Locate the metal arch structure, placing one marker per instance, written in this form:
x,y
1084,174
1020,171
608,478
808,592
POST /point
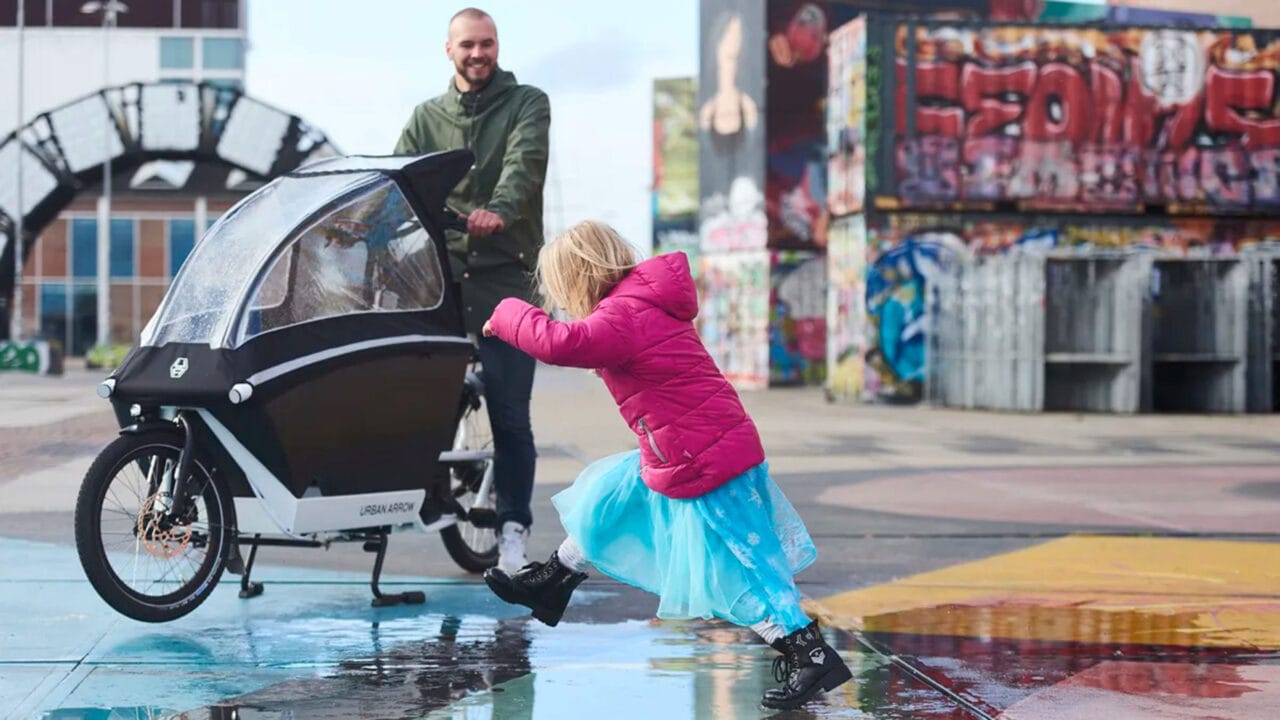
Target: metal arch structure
x,y
64,149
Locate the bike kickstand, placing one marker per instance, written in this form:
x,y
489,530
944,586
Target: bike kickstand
x,y
250,589
380,599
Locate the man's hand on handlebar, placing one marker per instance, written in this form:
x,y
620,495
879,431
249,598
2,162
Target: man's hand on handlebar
x,y
482,223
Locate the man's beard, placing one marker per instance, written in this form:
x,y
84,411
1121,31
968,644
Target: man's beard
x,y
472,73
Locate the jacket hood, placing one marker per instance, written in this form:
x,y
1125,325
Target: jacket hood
x,y
471,103
665,282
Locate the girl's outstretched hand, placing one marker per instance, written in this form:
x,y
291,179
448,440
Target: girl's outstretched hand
x,y
487,330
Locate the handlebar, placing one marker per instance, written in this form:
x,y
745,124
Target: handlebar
x,y
453,220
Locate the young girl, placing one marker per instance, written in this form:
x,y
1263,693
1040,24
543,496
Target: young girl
x,y
692,515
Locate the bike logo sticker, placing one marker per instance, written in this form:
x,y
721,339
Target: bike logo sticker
x,y
178,368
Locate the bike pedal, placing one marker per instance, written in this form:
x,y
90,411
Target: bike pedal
x,y
483,518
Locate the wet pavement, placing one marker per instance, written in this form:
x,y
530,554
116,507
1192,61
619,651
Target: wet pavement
x,y
971,566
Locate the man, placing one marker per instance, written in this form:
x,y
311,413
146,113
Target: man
x,y
506,125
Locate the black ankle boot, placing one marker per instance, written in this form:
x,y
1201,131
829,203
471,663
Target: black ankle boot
x,y
808,666
544,588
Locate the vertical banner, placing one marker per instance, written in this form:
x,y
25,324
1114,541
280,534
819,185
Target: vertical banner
x,y
796,176
846,118
675,167
846,307
731,126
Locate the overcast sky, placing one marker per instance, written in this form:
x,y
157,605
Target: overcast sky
x,y
356,70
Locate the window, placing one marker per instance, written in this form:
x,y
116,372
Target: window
x,y
222,54
371,255
211,13
182,237
177,53
225,83
84,248
122,244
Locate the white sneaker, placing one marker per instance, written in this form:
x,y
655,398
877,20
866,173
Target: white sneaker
x,y
511,547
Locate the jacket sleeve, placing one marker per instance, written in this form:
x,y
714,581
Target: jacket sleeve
x,y
603,339
524,166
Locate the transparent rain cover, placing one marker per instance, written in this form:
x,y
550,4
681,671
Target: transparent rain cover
x,y
370,255
215,277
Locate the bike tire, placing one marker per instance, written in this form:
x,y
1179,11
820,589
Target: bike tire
x,y
131,450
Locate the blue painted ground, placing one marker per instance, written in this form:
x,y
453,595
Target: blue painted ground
x,y
313,647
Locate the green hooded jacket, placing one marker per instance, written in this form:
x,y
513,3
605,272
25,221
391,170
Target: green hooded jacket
x,y
506,125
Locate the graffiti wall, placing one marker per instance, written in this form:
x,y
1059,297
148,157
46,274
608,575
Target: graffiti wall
x,y
846,113
730,116
797,318
905,248
846,306
1081,119
734,318
796,180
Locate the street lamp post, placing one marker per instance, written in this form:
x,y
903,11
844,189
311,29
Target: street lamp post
x,y
15,317
110,9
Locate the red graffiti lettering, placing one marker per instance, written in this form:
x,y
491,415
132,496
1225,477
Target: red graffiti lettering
x,y
1234,98
982,90
1060,108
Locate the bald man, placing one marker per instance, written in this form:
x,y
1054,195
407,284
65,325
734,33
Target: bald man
x,y
506,125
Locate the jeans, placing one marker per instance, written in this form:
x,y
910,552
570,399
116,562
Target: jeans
x,y
508,382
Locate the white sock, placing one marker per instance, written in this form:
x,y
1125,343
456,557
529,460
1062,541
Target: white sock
x,y
571,555
768,630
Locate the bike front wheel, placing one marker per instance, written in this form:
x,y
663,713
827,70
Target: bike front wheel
x,y
145,561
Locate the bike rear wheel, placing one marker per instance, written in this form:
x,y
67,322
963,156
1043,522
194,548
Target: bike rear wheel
x,y
144,561
474,549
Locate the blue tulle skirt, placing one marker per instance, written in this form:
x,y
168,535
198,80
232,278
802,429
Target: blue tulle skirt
x,y
731,553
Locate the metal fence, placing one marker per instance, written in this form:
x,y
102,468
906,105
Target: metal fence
x,y
1104,331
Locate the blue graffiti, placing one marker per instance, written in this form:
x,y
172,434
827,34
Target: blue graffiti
x,y
896,305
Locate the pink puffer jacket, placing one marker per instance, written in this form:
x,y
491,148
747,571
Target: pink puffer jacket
x,y
693,432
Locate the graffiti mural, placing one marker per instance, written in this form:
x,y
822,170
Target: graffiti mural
x,y
896,322
796,180
797,318
730,126
906,247
734,317
1086,118
846,306
846,115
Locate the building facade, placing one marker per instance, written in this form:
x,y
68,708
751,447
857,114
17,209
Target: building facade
x,y
157,211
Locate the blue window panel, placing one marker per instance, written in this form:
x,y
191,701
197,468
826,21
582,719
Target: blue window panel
x,y
177,53
84,248
53,312
53,300
122,245
84,318
223,54
182,237
226,83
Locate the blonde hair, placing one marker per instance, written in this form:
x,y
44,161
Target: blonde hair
x,y
581,266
